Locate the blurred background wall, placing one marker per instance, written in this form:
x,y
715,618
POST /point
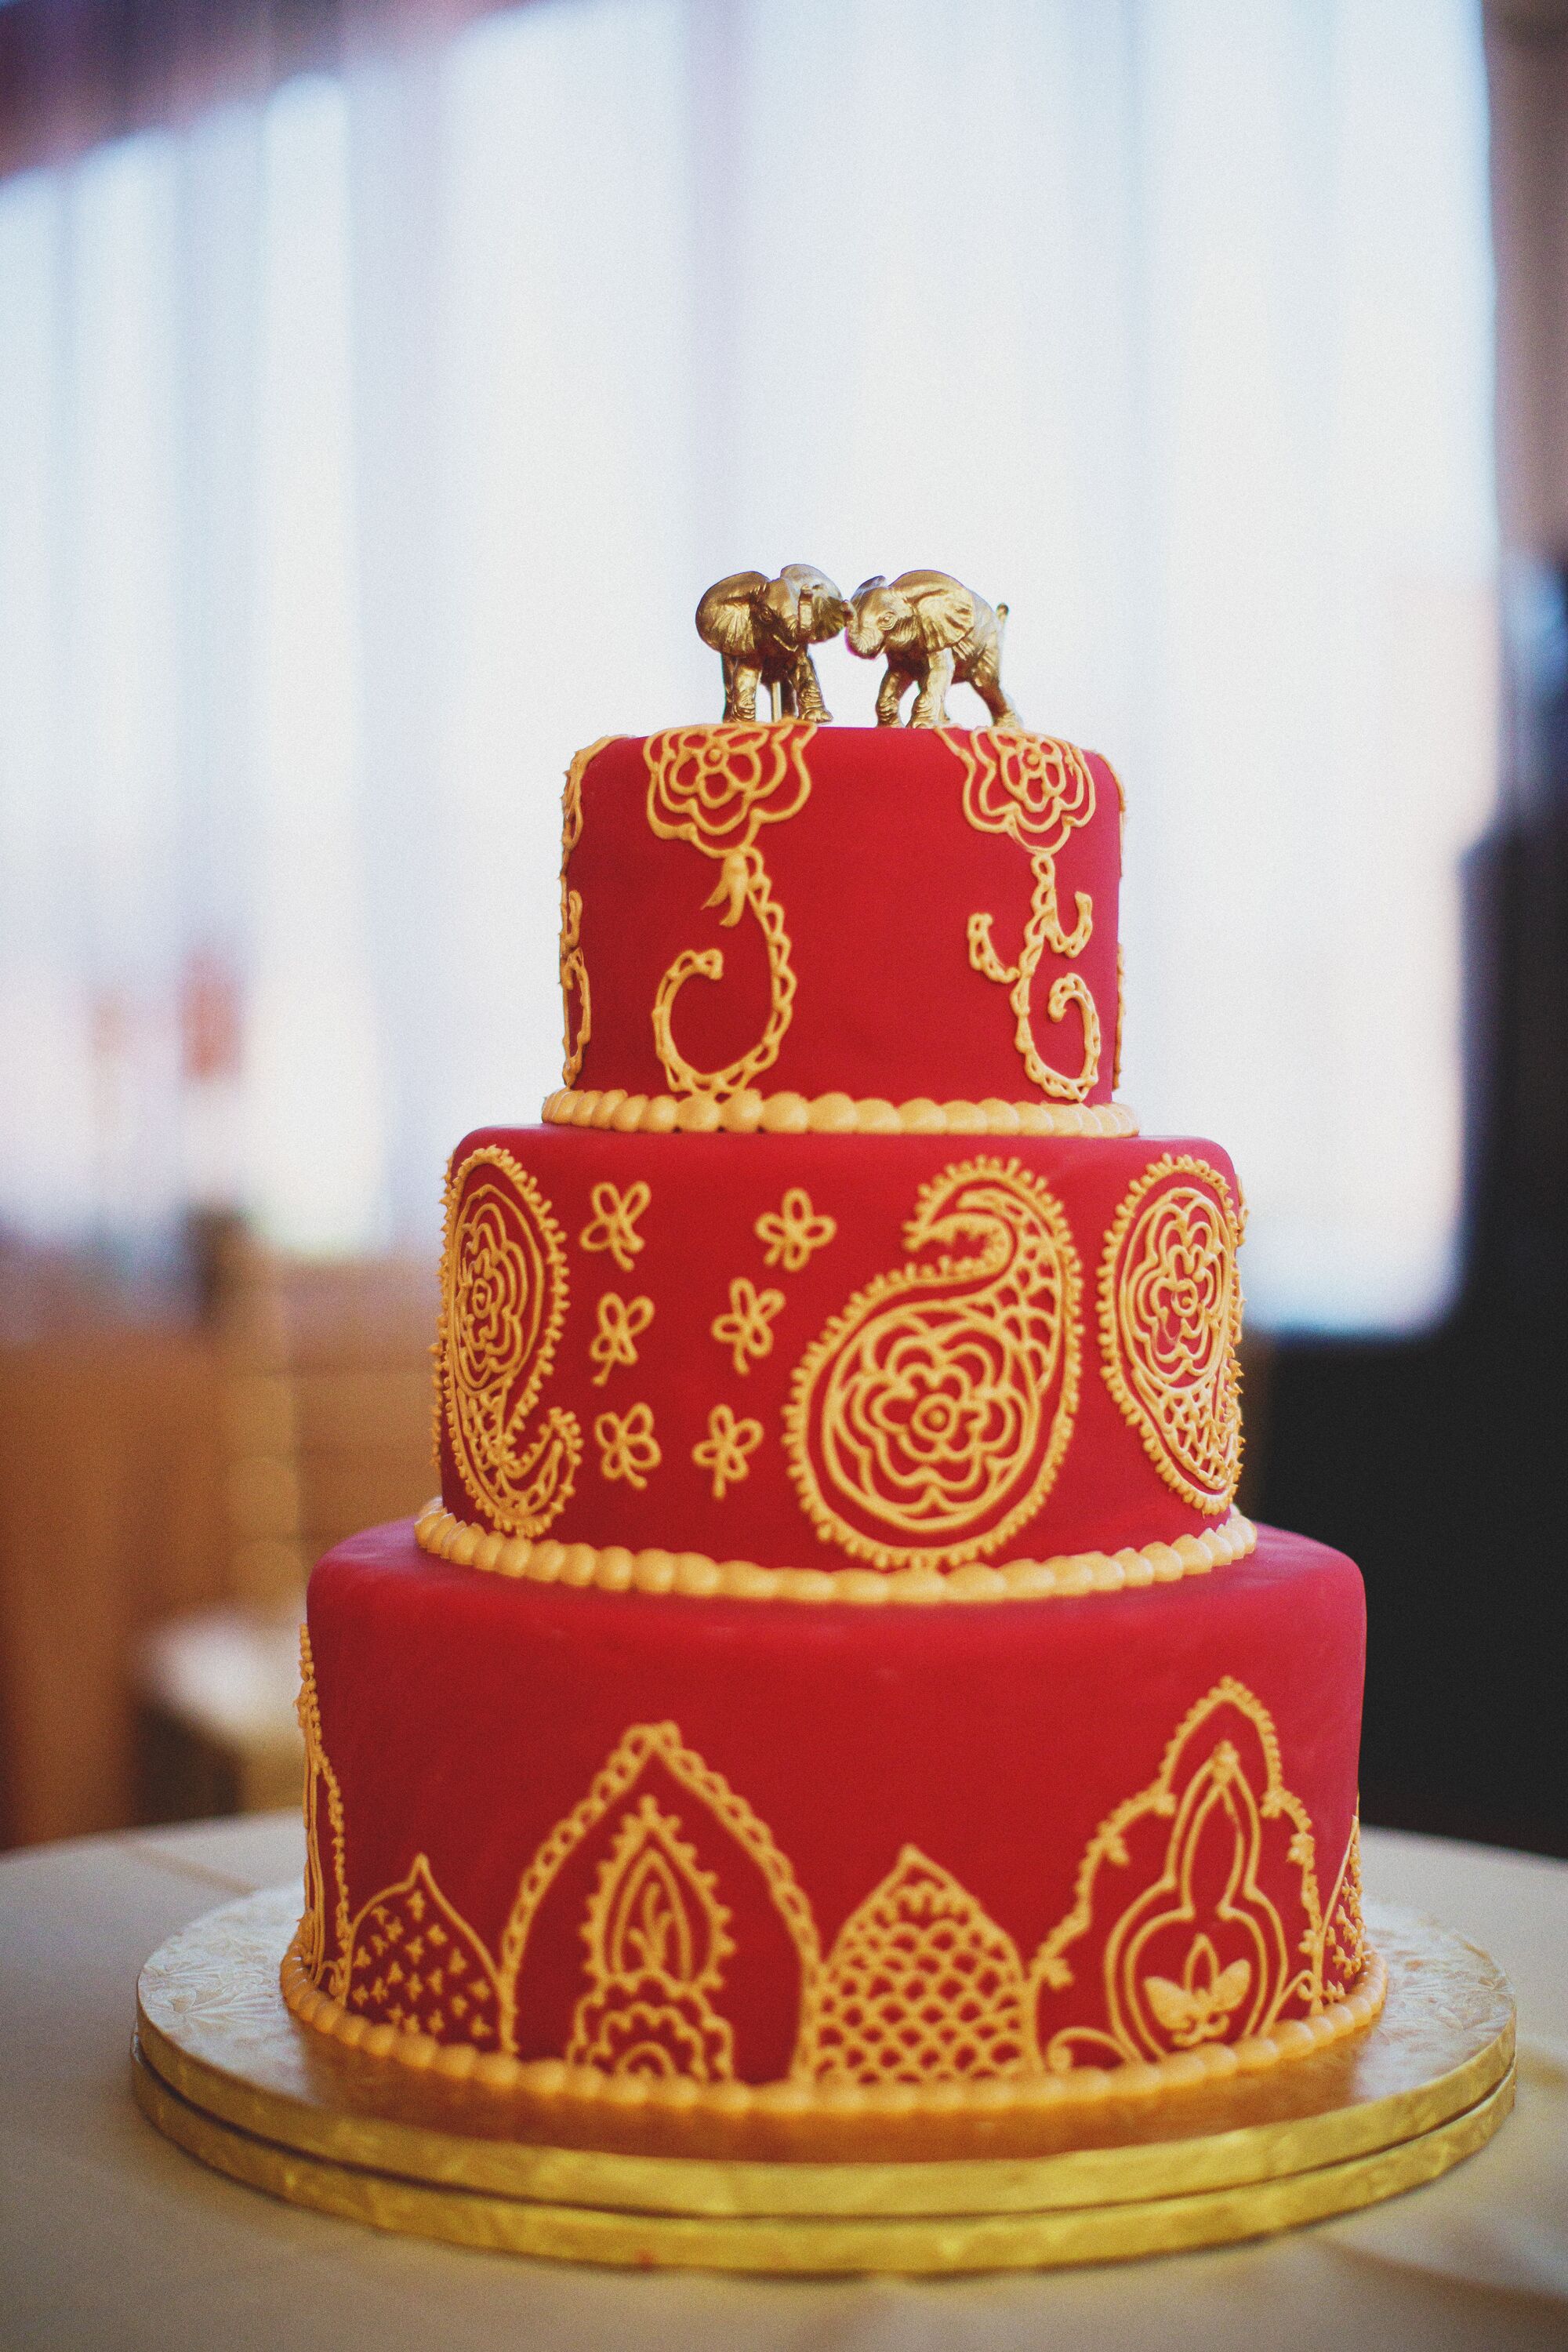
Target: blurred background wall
x,y
379,386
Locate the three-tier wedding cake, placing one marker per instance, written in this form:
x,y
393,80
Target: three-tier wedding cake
x,y
834,1688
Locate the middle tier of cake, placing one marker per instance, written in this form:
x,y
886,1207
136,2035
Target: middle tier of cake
x,y
845,1366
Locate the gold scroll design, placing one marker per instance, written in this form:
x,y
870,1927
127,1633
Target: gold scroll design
x,y
414,1962
927,1423
716,787
573,969
322,1797
504,1301
1200,1952
652,1883
922,1986
1038,792
1170,1326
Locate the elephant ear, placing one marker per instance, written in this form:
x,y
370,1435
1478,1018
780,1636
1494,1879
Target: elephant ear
x,y
724,618
944,612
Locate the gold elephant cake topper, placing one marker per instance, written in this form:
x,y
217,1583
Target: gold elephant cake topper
x,y
931,630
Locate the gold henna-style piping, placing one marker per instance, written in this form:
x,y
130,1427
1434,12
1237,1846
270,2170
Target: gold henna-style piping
x,y
724,1451
573,970
920,1984
1170,1326
715,787
409,1946
658,1938
1145,2010
628,1446
642,1744
747,1330
503,1299
622,1322
926,1425
694,1575
613,1223
1038,792
320,1776
749,1112
792,1234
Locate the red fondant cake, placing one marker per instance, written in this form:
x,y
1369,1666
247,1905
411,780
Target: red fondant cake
x,y
834,1691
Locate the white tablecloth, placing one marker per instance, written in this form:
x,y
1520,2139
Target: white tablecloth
x,y
109,2236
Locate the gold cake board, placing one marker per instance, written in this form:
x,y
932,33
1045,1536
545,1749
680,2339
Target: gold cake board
x,y
223,2070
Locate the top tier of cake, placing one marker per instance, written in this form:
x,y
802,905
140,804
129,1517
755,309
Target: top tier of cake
x,y
788,925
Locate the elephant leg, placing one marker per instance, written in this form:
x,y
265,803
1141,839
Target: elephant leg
x,y
808,699
782,684
895,686
742,680
987,683
930,703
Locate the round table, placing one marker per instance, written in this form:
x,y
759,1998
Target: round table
x,y
110,2237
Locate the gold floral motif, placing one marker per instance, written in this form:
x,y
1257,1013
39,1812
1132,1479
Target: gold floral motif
x,y
747,1330
1038,792
573,970
321,1789
1170,1326
628,1446
922,1985
414,1962
657,1939
927,1423
715,787
723,1452
613,1223
1200,1952
727,1815
622,1322
503,1299
791,1232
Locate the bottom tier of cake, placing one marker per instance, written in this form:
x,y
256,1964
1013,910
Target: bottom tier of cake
x,y
771,1859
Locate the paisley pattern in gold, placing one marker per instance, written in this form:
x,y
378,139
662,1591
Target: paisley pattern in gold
x,y
654,1919
1170,1326
716,787
1191,1946
573,970
657,1946
323,1840
926,1425
920,1985
1344,1936
413,1962
1038,792
504,1301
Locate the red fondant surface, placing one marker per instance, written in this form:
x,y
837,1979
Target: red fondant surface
x,y
465,1715
699,1232
878,874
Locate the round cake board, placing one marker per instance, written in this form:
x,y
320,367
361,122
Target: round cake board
x,y
222,2068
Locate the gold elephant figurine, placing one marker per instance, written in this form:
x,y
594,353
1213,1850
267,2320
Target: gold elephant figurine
x,y
763,629
932,631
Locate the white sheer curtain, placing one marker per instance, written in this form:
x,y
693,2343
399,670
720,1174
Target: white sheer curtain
x,y
363,450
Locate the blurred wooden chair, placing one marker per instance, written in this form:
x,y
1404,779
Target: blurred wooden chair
x,y
325,1414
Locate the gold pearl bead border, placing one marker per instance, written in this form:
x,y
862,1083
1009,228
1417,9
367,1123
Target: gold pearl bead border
x,y
552,2078
693,1575
751,1113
